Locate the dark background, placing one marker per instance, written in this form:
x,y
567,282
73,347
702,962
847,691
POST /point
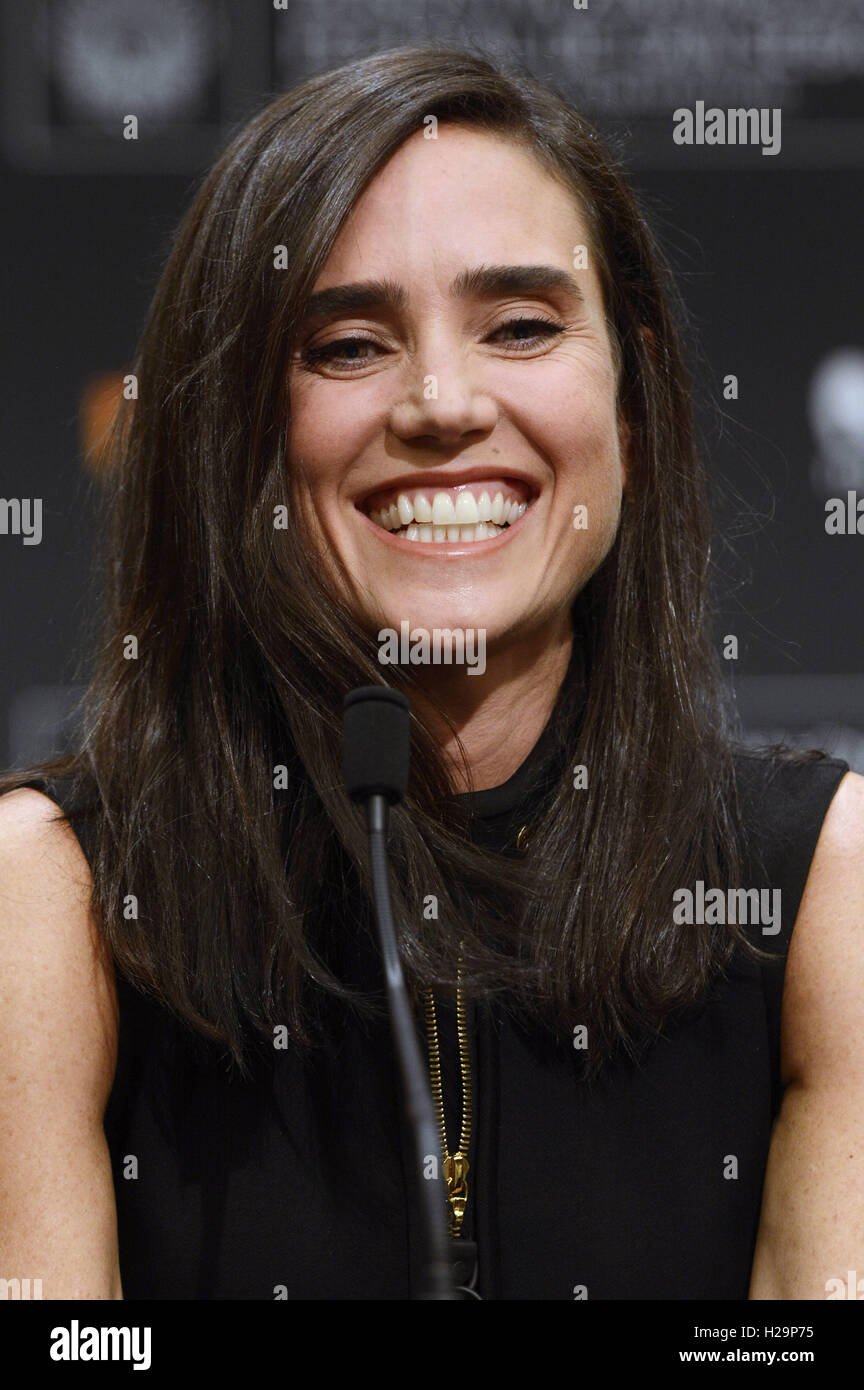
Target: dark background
x,y
767,250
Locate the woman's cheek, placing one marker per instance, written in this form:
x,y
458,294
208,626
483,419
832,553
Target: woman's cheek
x,y
589,492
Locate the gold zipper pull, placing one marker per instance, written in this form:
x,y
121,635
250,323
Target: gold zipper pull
x,y
456,1177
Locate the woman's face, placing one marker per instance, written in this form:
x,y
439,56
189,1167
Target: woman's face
x,y
458,375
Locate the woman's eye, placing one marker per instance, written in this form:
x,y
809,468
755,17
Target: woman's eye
x,y
527,333
345,353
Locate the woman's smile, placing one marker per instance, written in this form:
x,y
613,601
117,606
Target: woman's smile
x,y
435,511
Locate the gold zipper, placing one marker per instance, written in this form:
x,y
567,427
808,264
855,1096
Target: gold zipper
x,y
455,1164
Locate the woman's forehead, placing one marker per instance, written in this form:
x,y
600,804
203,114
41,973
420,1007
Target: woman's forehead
x,y
466,199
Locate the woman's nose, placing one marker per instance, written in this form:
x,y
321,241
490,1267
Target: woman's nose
x,y
443,404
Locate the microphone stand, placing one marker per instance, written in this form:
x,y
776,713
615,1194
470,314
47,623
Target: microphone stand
x,y
418,1100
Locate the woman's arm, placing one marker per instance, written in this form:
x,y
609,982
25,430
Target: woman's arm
x,y
812,1223
58,1049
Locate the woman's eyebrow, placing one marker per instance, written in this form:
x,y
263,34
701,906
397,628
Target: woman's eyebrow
x,y
514,279
484,280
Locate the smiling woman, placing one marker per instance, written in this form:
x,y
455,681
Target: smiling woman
x,y
434,347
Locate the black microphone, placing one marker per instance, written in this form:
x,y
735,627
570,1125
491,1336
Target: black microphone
x,y
376,756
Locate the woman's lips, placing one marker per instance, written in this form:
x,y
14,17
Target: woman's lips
x,y
464,514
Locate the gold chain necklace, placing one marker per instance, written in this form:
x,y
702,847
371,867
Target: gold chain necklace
x,y
455,1164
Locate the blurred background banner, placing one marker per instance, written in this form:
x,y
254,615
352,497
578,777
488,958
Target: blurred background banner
x,y
633,61
71,67
187,68
110,110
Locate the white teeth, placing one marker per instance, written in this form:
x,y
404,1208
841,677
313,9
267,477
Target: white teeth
x,y
484,530
465,510
443,510
448,518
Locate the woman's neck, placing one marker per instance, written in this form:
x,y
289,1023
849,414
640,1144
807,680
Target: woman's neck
x,y
499,715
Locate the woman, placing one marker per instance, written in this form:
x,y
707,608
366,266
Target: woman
x,y
412,360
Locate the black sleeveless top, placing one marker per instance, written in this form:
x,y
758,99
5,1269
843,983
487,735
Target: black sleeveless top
x,y
296,1183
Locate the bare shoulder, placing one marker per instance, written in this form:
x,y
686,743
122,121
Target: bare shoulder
x,y
31,823
823,996
55,974
811,1231
843,828
58,1021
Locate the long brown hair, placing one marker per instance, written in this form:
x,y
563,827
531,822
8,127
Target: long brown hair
x,y
247,890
